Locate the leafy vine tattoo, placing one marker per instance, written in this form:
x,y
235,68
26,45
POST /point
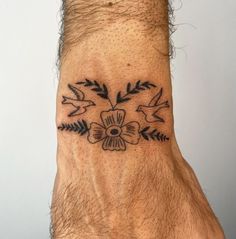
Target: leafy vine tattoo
x,y
113,131
139,86
79,127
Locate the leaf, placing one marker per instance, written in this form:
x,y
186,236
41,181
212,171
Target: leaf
x,y
96,83
148,85
145,136
104,96
80,124
60,127
152,85
120,99
128,87
145,129
80,83
105,89
97,89
138,84
85,124
88,82
134,91
124,99
141,88
152,134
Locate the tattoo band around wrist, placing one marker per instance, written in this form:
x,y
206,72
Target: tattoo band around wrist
x,y
113,132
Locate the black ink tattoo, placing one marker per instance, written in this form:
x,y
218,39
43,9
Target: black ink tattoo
x,y
139,86
80,127
151,110
79,103
101,90
153,134
112,130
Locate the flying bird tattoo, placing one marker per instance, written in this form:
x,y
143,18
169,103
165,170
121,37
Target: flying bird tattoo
x,y
151,110
78,102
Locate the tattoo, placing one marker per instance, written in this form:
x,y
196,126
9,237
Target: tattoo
x,y
153,135
150,111
139,86
79,127
113,130
95,86
79,103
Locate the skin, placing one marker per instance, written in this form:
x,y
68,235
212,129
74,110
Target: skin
x,y
149,190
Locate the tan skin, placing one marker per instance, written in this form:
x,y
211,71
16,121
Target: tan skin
x,y
148,190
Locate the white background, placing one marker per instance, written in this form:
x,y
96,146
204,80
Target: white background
x,y
204,82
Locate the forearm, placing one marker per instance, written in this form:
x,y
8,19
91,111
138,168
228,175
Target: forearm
x,y
119,165
82,19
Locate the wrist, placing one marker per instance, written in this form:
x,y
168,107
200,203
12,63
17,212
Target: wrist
x,y
115,60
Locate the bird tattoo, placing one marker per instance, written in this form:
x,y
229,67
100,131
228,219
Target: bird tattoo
x,y
78,102
151,110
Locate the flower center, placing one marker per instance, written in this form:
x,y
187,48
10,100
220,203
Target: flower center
x,y
113,131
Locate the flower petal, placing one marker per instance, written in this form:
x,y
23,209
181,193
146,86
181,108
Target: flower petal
x,y
114,143
96,133
130,132
113,117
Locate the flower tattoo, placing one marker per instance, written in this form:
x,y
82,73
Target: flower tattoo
x,y
113,133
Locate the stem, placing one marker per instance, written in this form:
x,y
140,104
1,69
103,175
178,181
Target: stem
x,y
113,107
